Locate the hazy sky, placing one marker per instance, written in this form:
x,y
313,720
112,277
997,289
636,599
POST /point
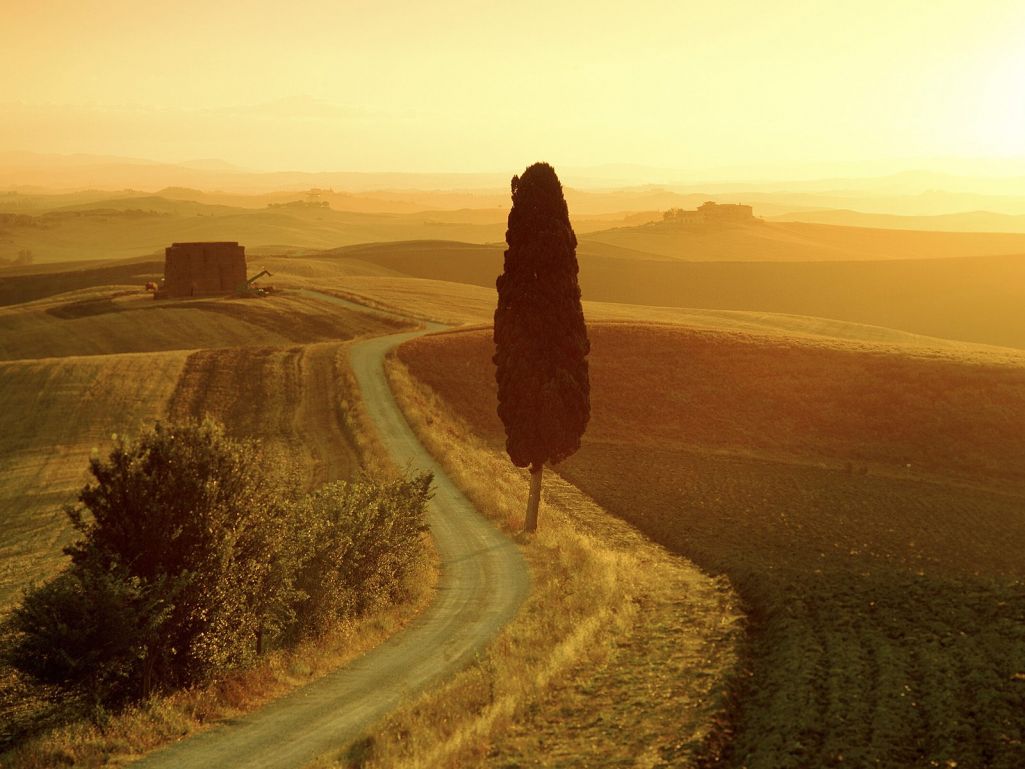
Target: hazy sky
x,y
459,85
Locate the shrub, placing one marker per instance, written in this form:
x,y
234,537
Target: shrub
x,y
363,538
194,551
88,631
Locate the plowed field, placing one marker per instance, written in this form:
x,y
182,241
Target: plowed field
x,y
866,504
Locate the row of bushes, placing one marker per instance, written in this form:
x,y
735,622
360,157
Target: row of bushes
x,y
196,554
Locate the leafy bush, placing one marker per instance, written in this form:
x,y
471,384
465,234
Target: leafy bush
x,y
88,630
193,553
362,539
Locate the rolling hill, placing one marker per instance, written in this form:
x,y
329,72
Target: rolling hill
x,y
967,299
139,226
74,371
105,324
88,226
864,501
969,221
799,241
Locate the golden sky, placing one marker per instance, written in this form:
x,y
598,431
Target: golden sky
x,y
459,85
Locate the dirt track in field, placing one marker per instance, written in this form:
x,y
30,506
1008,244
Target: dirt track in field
x,y
483,582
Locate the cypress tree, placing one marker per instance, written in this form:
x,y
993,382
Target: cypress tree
x,y
541,343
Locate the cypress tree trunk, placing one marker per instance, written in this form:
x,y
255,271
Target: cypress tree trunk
x,y
534,499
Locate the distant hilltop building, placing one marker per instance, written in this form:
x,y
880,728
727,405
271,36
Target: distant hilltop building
x,y
710,212
203,269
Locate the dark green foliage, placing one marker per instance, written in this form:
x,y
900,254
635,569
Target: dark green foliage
x,y
192,513
88,630
193,555
540,336
362,538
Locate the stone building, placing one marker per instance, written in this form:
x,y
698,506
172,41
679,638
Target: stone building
x,y
203,269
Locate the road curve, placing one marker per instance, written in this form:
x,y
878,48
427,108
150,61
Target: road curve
x,y
483,582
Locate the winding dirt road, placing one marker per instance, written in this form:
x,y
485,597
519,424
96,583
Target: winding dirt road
x,y
483,582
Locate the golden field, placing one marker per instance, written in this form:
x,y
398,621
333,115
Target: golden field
x,y
79,370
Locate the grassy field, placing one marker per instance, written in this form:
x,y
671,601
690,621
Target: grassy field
x,y
27,284
945,285
971,299
866,504
53,415
460,303
786,469
294,400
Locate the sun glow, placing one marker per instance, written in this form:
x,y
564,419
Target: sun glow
x,y
999,120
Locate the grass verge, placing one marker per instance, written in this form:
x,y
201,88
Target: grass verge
x,y
618,657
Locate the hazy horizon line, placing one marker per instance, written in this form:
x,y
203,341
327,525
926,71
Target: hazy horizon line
x,y
978,167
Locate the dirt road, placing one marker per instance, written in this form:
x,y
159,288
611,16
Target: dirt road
x,y
482,584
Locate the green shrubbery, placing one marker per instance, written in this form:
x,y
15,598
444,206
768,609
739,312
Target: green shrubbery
x,y
194,555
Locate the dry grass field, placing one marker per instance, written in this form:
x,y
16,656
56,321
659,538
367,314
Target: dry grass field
x,y
961,286
866,504
19,285
54,414
970,299
786,470
990,298
295,400
463,304
71,382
